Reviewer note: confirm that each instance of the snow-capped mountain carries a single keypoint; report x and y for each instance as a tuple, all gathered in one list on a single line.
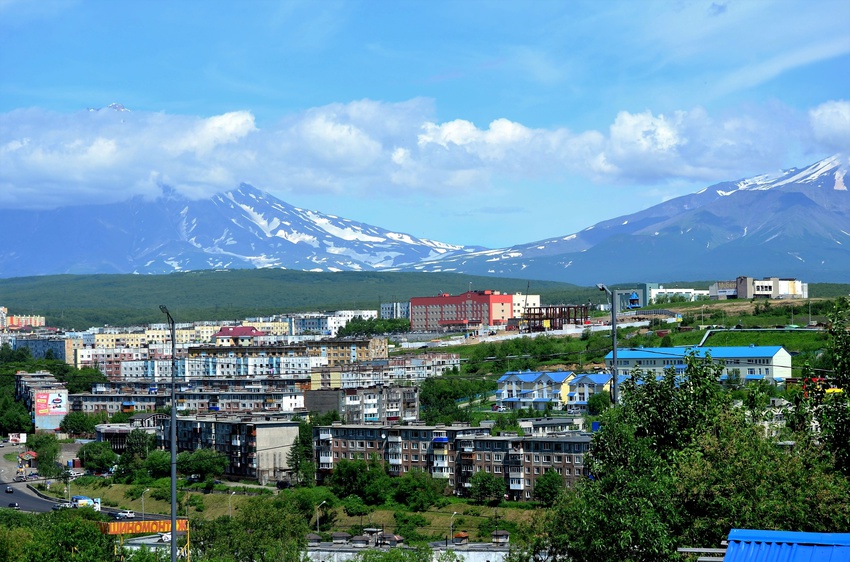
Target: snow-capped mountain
[(795, 223), (243, 228)]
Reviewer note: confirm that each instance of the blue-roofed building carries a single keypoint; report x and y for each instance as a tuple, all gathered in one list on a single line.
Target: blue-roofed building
[(532, 389), (748, 545), (768, 362)]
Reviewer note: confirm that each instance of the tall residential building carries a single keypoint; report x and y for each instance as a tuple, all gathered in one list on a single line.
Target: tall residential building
[(470, 310)]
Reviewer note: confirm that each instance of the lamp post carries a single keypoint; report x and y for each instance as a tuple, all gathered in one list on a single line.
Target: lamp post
[(615, 305), (452, 527), (143, 502), (319, 514), (230, 504), (164, 310)]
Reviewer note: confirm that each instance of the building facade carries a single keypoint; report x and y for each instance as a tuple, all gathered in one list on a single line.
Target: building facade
[(750, 363), (469, 310), (455, 453)]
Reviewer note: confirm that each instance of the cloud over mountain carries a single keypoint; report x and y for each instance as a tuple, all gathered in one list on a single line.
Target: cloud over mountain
[(365, 147)]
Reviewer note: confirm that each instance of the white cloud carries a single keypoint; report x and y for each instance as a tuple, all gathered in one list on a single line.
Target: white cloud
[(830, 123), (366, 147)]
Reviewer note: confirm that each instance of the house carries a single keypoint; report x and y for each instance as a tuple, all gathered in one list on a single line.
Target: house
[(532, 389)]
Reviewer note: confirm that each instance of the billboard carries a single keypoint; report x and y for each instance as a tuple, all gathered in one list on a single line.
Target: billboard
[(16, 438), (138, 527), (51, 404)]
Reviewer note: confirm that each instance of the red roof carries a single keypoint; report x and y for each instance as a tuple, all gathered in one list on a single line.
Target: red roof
[(238, 332)]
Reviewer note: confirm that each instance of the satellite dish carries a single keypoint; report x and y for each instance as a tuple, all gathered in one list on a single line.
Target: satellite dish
[(383, 436)]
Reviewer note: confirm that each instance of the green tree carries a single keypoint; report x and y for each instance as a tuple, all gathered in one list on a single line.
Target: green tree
[(47, 447), (549, 487), (484, 486), (598, 403), (204, 462), (97, 456), (355, 507), (300, 456)]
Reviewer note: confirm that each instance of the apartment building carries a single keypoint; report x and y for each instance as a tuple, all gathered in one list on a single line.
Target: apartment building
[(328, 324), (750, 363), (455, 453), (337, 351), (44, 397), (393, 310), (532, 389), (234, 395), (256, 446), (470, 310), (407, 369)]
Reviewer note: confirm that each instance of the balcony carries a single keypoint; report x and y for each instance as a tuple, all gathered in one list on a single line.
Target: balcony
[(393, 460), (517, 484), (326, 458), (440, 462), (394, 438)]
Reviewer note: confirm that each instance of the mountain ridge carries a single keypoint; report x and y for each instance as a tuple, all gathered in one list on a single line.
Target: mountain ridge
[(795, 223)]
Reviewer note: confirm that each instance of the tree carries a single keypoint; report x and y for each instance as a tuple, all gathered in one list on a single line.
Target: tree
[(300, 455), (204, 462), (354, 507), (548, 487), (46, 446), (484, 486), (598, 403), (669, 467), (98, 456)]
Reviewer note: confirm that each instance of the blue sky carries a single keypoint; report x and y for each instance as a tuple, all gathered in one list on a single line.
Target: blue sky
[(480, 123)]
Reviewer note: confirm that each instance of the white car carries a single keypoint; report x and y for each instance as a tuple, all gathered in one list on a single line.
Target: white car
[(126, 514)]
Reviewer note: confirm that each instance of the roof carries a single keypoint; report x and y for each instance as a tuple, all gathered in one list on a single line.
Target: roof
[(238, 332), (764, 351), (789, 546)]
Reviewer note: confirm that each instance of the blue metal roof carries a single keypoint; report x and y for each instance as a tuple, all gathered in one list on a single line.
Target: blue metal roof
[(764, 351), (748, 545)]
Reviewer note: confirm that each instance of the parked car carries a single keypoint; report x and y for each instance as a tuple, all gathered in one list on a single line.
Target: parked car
[(20, 478)]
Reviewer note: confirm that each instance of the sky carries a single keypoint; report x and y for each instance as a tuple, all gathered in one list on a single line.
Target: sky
[(468, 122)]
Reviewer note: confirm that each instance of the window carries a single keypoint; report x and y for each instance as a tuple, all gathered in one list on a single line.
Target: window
[(415, 458), (497, 469), (487, 456)]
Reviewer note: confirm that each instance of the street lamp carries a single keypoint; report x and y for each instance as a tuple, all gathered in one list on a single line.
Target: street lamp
[(230, 504), (452, 527), (164, 310), (143, 502), (319, 514), (615, 305)]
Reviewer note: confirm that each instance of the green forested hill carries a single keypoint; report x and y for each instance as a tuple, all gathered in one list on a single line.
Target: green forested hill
[(81, 301)]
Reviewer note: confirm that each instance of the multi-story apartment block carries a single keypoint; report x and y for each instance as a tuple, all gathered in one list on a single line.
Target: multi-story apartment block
[(386, 404), (393, 310), (44, 397), (396, 370), (455, 453), (328, 324), (768, 362), (336, 351), (40, 347), (233, 395), (255, 445), (473, 309), (649, 293), (522, 302), (536, 390)]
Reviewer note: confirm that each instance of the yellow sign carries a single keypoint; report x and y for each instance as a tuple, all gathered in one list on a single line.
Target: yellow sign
[(140, 527)]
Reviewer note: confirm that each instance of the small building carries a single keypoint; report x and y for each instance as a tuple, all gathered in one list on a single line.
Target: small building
[(500, 537)]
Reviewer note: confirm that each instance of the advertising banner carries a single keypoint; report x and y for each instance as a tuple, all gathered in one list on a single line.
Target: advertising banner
[(17, 438), (51, 404), (140, 527)]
